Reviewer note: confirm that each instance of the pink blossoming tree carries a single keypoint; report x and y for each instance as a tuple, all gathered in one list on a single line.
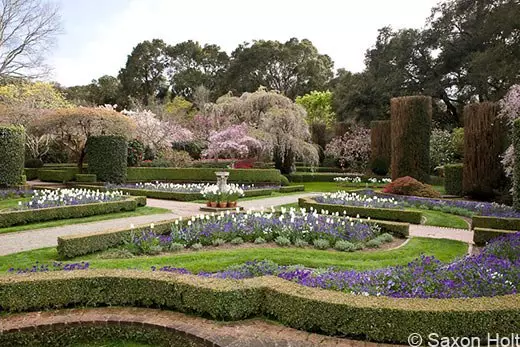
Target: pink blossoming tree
[(232, 142), (352, 149)]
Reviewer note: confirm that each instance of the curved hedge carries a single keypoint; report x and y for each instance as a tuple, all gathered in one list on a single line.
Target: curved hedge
[(11, 218), (411, 128), (389, 214), (147, 174), (67, 334), (379, 319), (12, 155), (107, 158)]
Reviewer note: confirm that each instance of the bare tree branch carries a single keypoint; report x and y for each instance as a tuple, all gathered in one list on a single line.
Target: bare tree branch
[(28, 29)]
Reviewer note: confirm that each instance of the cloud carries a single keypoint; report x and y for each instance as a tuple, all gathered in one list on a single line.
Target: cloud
[(341, 29)]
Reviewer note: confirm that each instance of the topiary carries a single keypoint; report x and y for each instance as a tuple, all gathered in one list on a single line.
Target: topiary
[(33, 163), (410, 186), (12, 152), (380, 166), (107, 158), (284, 181)]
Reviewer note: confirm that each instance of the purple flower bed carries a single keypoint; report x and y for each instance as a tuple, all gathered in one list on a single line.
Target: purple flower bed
[(182, 187), (56, 266), (67, 197), (15, 193), (369, 198)]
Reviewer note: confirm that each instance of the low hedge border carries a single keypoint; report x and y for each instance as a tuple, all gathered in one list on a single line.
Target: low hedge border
[(380, 319), (157, 194), (486, 222), (319, 169), (301, 177), (66, 334), (481, 236), (146, 174), (31, 173), (12, 218), (292, 189), (413, 217), (61, 176), (90, 178)]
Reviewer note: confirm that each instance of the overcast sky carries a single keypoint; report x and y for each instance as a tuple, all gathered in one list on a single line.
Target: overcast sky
[(99, 34)]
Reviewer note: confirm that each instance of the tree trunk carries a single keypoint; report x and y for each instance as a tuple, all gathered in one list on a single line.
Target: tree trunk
[(81, 160)]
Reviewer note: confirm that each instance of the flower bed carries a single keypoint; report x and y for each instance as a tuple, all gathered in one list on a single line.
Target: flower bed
[(15, 193), (362, 181), (46, 198)]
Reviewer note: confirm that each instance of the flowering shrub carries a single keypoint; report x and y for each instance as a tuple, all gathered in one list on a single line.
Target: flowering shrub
[(167, 157), (352, 149), (232, 142), (66, 197), (510, 111), (442, 149), (410, 186)]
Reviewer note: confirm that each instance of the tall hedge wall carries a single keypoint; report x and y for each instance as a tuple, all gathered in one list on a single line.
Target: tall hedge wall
[(411, 128), (484, 142), (107, 158), (12, 155), (380, 137), (516, 170)]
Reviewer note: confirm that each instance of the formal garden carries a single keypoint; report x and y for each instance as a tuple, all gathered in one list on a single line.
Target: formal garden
[(263, 198)]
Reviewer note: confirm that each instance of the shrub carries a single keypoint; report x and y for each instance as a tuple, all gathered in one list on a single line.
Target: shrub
[(171, 158), (176, 247), (374, 243), (386, 237), (33, 163), (62, 176), (85, 178), (410, 186), (197, 246), (485, 222), (218, 242), (344, 246), (457, 140), (380, 135), (260, 240), (284, 181), (484, 142), (135, 153), (321, 243), (12, 151), (442, 151), (237, 241), (291, 189), (107, 158), (453, 179), (282, 241), (300, 243), (194, 148), (411, 128)]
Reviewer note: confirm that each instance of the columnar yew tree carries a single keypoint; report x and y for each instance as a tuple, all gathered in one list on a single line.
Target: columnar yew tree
[(411, 128), (12, 141), (485, 138), (107, 158), (380, 140)]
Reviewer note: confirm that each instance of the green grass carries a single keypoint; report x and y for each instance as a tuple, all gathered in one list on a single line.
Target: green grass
[(111, 344), (325, 187), (140, 211), (215, 260), (11, 203), (272, 195), (442, 219)]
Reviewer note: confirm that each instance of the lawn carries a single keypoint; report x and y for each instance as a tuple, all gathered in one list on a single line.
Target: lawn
[(140, 211), (215, 260), (111, 344)]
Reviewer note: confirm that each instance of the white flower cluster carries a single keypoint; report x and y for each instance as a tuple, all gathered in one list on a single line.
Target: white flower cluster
[(212, 191), (358, 179), (358, 200), (62, 197)]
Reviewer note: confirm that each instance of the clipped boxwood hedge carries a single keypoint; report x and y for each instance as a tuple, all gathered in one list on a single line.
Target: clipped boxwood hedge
[(107, 157), (12, 154), (481, 236), (61, 175), (292, 189), (31, 173), (10, 218), (86, 178), (300, 177), (147, 174), (453, 179), (413, 217), (486, 222), (72, 334), (319, 169), (380, 319)]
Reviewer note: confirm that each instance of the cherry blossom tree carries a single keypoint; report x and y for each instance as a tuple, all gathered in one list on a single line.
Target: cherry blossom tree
[(352, 149), (510, 111), (232, 142)]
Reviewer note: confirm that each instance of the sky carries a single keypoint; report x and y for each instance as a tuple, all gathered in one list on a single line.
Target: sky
[(98, 35)]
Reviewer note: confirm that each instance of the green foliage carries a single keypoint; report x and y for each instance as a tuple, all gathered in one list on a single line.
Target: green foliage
[(197, 246), (19, 217), (218, 242), (260, 240), (304, 308), (442, 150), (318, 106), (386, 237), (410, 186), (170, 158), (344, 246), (301, 177), (31, 174), (381, 148), (411, 128), (282, 241), (284, 181), (394, 228), (12, 151), (62, 175), (202, 174), (380, 166), (33, 163), (194, 149), (374, 243), (237, 241), (457, 140), (135, 153), (291, 189), (88, 178), (453, 179), (176, 247), (107, 158), (495, 223), (481, 236), (321, 244), (300, 243)]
